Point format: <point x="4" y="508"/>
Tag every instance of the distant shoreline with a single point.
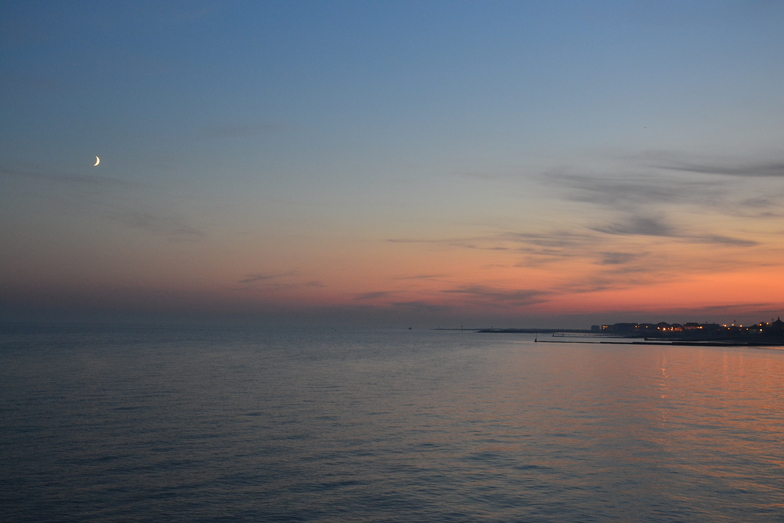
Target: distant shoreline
<point x="694" y="343"/>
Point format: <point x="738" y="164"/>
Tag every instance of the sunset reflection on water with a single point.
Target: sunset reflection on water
<point x="389" y="426"/>
<point x="654" y="425"/>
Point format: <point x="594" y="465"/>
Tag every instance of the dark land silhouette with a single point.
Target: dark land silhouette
<point x="691" y="333"/>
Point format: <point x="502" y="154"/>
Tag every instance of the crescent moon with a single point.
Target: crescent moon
<point x="97" y="161"/>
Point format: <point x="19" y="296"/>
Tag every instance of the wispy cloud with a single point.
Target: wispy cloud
<point x="373" y="295"/>
<point x="617" y="258"/>
<point x="120" y="201"/>
<point x="278" y="281"/>
<point x="167" y="225"/>
<point x="499" y="296"/>
<point x="258" y="277"/>
<point x="647" y="203"/>
<point x="658" y="180"/>
<point x="651" y="226"/>
<point x="722" y="240"/>
<point x="639" y="225"/>
<point x="539" y="249"/>
<point x="420" y="277"/>
<point x="632" y="190"/>
<point x="536" y="248"/>
<point x="621" y="230"/>
<point x="477" y="243"/>
<point x="512" y="241"/>
<point x="553" y="239"/>
<point x="733" y="308"/>
<point x="66" y="178"/>
<point x="674" y="161"/>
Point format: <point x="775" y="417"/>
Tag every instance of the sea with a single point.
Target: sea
<point x="204" y="423"/>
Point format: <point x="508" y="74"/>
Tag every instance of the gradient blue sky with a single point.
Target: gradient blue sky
<point x="427" y="163"/>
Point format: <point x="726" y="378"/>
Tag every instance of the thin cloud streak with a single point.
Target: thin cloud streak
<point x="171" y="227"/>
<point x="632" y="190"/>
<point x="259" y="277"/>
<point x="373" y="295"/>
<point x="421" y="277"/>
<point x="639" y="226"/>
<point x="120" y="201"/>
<point x="723" y="240"/>
<point x="501" y="297"/>
<point x="752" y="169"/>
<point x="80" y="179"/>
<point x="618" y="258"/>
<point x="467" y="243"/>
<point x="271" y="281"/>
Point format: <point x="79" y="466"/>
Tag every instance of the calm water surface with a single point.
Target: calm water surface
<point x="222" y="424"/>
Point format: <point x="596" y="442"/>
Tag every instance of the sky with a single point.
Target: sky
<point x="426" y="164"/>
